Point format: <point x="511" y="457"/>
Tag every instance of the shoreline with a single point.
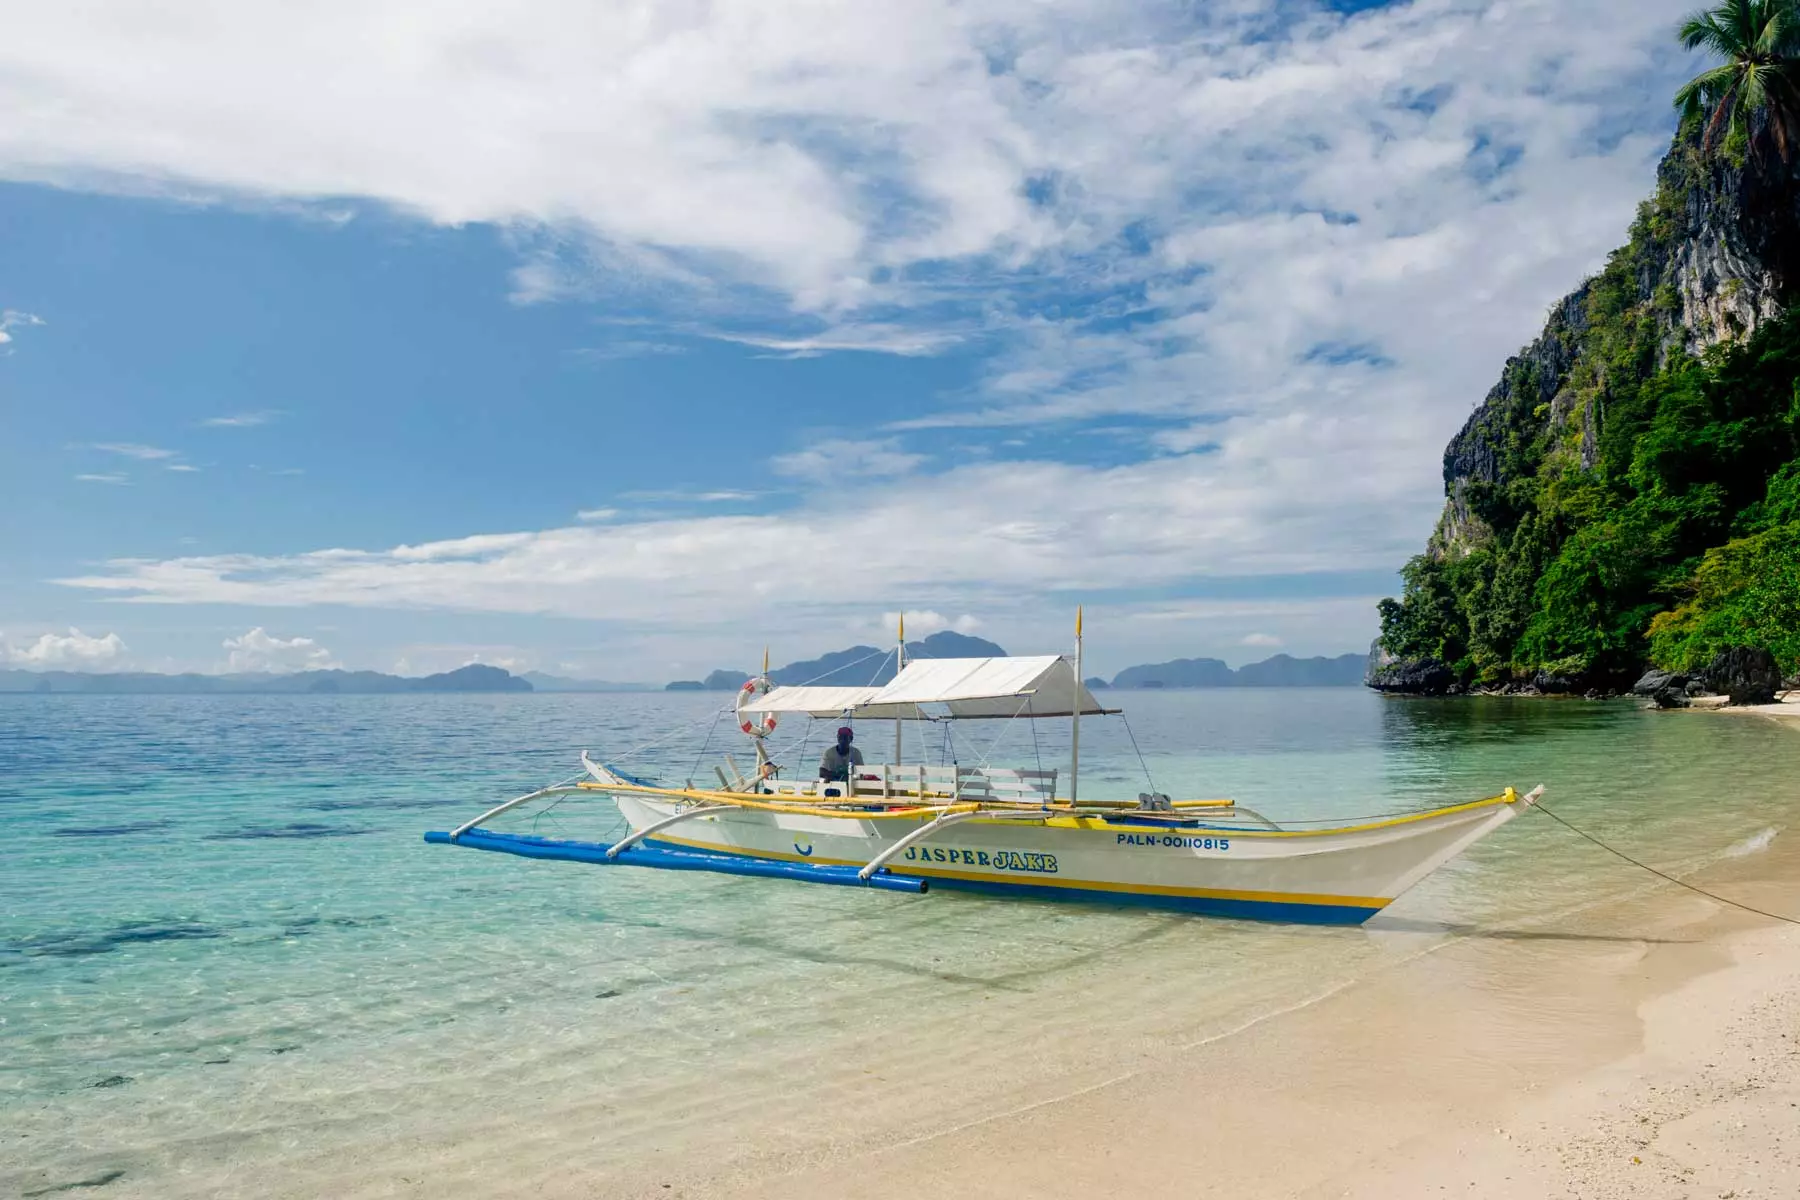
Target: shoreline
<point x="1663" y="1062"/>
<point x="974" y="1050"/>
<point x="1662" y="1065"/>
<point x="1785" y="710"/>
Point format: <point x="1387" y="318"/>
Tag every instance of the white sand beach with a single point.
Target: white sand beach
<point x="1499" y="1066"/>
<point x="1653" y="1053"/>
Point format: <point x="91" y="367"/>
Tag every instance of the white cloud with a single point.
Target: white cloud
<point x="596" y="514"/>
<point x="243" y="420"/>
<point x="825" y="151"/>
<point x="110" y="477"/>
<point x="136" y="450"/>
<point x="1294" y="247"/>
<point x="925" y="622"/>
<point x="258" y="650"/>
<point x="879" y="339"/>
<point x="1261" y="639"/>
<point x="185" y="468"/>
<point x="996" y="536"/>
<point x="716" y="496"/>
<point x="74" y="649"/>
<point x="840" y="461"/>
<point x="11" y="319"/>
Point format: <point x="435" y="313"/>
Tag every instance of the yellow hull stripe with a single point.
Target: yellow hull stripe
<point x="1060" y="821"/>
<point x="1059" y="881"/>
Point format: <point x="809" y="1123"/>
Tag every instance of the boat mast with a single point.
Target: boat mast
<point x="899" y="666"/>
<point x="762" y="752"/>
<point x="1075" y="719"/>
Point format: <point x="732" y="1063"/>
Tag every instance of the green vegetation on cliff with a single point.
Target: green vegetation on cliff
<point x="1630" y="491"/>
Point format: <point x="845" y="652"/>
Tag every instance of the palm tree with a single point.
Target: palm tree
<point x="1760" y="43"/>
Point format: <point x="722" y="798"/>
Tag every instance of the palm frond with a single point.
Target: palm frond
<point x="1724" y="108"/>
<point x="1702" y="29"/>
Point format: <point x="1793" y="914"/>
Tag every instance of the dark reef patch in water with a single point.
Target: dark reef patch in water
<point x="111" y="1081"/>
<point x="370" y="805"/>
<point x="100" y="1180"/>
<point x="93" y="831"/>
<point x="298" y="829"/>
<point x="72" y="945"/>
<point x="304" y="926"/>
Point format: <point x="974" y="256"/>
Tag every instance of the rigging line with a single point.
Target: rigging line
<point x="883" y="663"/>
<point x="995" y="744"/>
<point x="1749" y="908"/>
<point x="834" y="670"/>
<point x="1140" y="753"/>
<point x="673" y="733"/>
<point x="713" y="728"/>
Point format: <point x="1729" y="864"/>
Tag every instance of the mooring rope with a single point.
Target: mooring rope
<point x="1749" y="908"/>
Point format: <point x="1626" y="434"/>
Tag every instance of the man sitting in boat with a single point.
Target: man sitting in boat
<point x="835" y="766"/>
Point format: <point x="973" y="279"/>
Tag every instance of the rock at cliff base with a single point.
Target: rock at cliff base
<point x="1746" y="674"/>
<point x="1552" y="684"/>
<point x="1671" y="697"/>
<point x="1655" y="681"/>
<point x="1413" y="677"/>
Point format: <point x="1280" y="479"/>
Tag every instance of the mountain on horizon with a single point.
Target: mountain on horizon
<point x="859" y="666"/>
<point x="544" y="682"/>
<point x="1282" y="670"/>
<point x="476" y="677"/>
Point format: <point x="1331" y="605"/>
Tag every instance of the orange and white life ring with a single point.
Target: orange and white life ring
<point x="749" y="722"/>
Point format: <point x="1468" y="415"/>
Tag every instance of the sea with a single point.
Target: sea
<point x="230" y="965"/>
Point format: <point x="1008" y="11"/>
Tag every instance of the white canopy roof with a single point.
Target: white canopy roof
<point x="967" y="687"/>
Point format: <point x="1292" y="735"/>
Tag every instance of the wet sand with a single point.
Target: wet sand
<point x="1646" y="1047"/>
<point x="1661" y="1058"/>
<point x="1786" y="710"/>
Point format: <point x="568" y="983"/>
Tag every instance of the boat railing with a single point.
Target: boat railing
<point x="954" y="782"/>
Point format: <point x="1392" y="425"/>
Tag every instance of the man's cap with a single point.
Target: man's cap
<point x="845" y="731"/>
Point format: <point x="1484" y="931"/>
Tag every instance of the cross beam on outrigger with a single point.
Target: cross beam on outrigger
<point x="911" y="827"/>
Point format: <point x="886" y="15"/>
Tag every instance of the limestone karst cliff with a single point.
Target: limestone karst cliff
<point x="1653" y="421"/>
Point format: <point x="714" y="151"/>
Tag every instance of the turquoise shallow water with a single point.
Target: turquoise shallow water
<point x="228" y="961"/>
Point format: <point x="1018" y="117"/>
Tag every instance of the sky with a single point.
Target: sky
<point x="619" y="340"/>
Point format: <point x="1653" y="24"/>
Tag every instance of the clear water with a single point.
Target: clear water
<point x="228" y="962"/>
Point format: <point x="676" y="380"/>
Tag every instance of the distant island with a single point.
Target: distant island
<point x="475" y="677"/>
<point x="1345" y="670"/>
<point x="863" y="666"/>
<point x="542" y="682"/>
<point x="858" y="666"/>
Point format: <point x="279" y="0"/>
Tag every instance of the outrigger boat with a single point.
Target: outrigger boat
<point x="912" y="827"/>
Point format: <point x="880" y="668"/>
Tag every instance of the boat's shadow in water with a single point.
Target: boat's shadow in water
<point x="1447" y="929"/>
<point x="837" y="955"/>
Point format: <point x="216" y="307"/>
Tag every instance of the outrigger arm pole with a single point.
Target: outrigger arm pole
<point x="638" y="835"/>
<point x="498" y="809"/>
<point x="918" y="835"/>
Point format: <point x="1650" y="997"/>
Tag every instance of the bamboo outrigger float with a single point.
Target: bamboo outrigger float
<point x="911" y="826"/>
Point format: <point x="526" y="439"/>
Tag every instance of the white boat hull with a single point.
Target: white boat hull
<point x="1335" y="876"/>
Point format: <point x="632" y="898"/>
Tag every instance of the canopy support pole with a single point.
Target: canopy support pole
<point x="1075" y="720"/>
<point x="633" y="838"/>
<point x="899" y="666"/>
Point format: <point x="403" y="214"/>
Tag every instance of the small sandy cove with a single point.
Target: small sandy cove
<point x="1663" y="1061"/>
